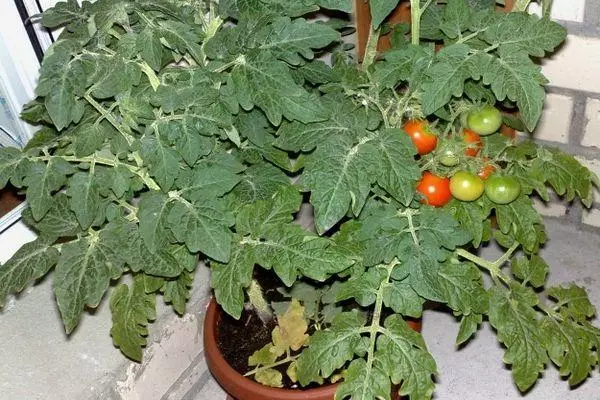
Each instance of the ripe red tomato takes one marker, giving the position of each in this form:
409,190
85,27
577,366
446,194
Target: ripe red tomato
473,141
466,186
421,136
486,171
435,189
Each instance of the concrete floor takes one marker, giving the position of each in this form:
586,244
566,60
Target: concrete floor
39,362
477,371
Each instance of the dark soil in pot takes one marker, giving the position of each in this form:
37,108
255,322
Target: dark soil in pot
239,339
229,343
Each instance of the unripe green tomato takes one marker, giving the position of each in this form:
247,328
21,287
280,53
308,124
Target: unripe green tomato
449,159
484,120
502,189
466,186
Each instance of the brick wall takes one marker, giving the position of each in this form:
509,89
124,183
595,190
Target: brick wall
571,118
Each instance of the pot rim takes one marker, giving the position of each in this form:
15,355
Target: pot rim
238,385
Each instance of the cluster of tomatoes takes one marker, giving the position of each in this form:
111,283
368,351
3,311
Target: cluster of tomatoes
463,184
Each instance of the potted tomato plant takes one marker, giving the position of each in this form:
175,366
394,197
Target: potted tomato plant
178,131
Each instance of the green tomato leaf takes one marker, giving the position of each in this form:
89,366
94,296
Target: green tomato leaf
346,119
420,240
453,65
516,77
10,158
317,72
567,176
526,32
153,211
471,217
182,37
572,302
402,298
260,182
150,48
456,20
520,220
167,261
202,226
575,358
257,218
398,172
290,249
162,160
338,176
61,78
229,280
364,381
404,357
191,143
401,65
462,285
84,270
132,308
177,291
331,348
341,5
42,180
85,197
32,261
512,315
209,178
380,9
363,288
89,137
58,221
469,324
63,13
287,39
531,270
264,81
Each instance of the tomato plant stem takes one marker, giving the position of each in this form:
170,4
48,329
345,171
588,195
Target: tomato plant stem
258,301
492,266
546,8
375,326
105,161
239,60
149,72
286,360
415,20
109,117
371,48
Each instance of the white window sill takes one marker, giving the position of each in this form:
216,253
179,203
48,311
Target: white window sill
13,237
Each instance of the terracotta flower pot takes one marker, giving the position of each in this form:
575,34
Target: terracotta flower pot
241,388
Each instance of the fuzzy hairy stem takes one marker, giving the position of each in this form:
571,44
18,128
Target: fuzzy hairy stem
492,266
258,301
286,360
375,327
142,174
371,48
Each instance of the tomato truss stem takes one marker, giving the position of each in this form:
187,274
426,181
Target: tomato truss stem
492,266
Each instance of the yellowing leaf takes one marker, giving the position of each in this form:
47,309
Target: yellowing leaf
269,377
291,329
291,372
263,356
